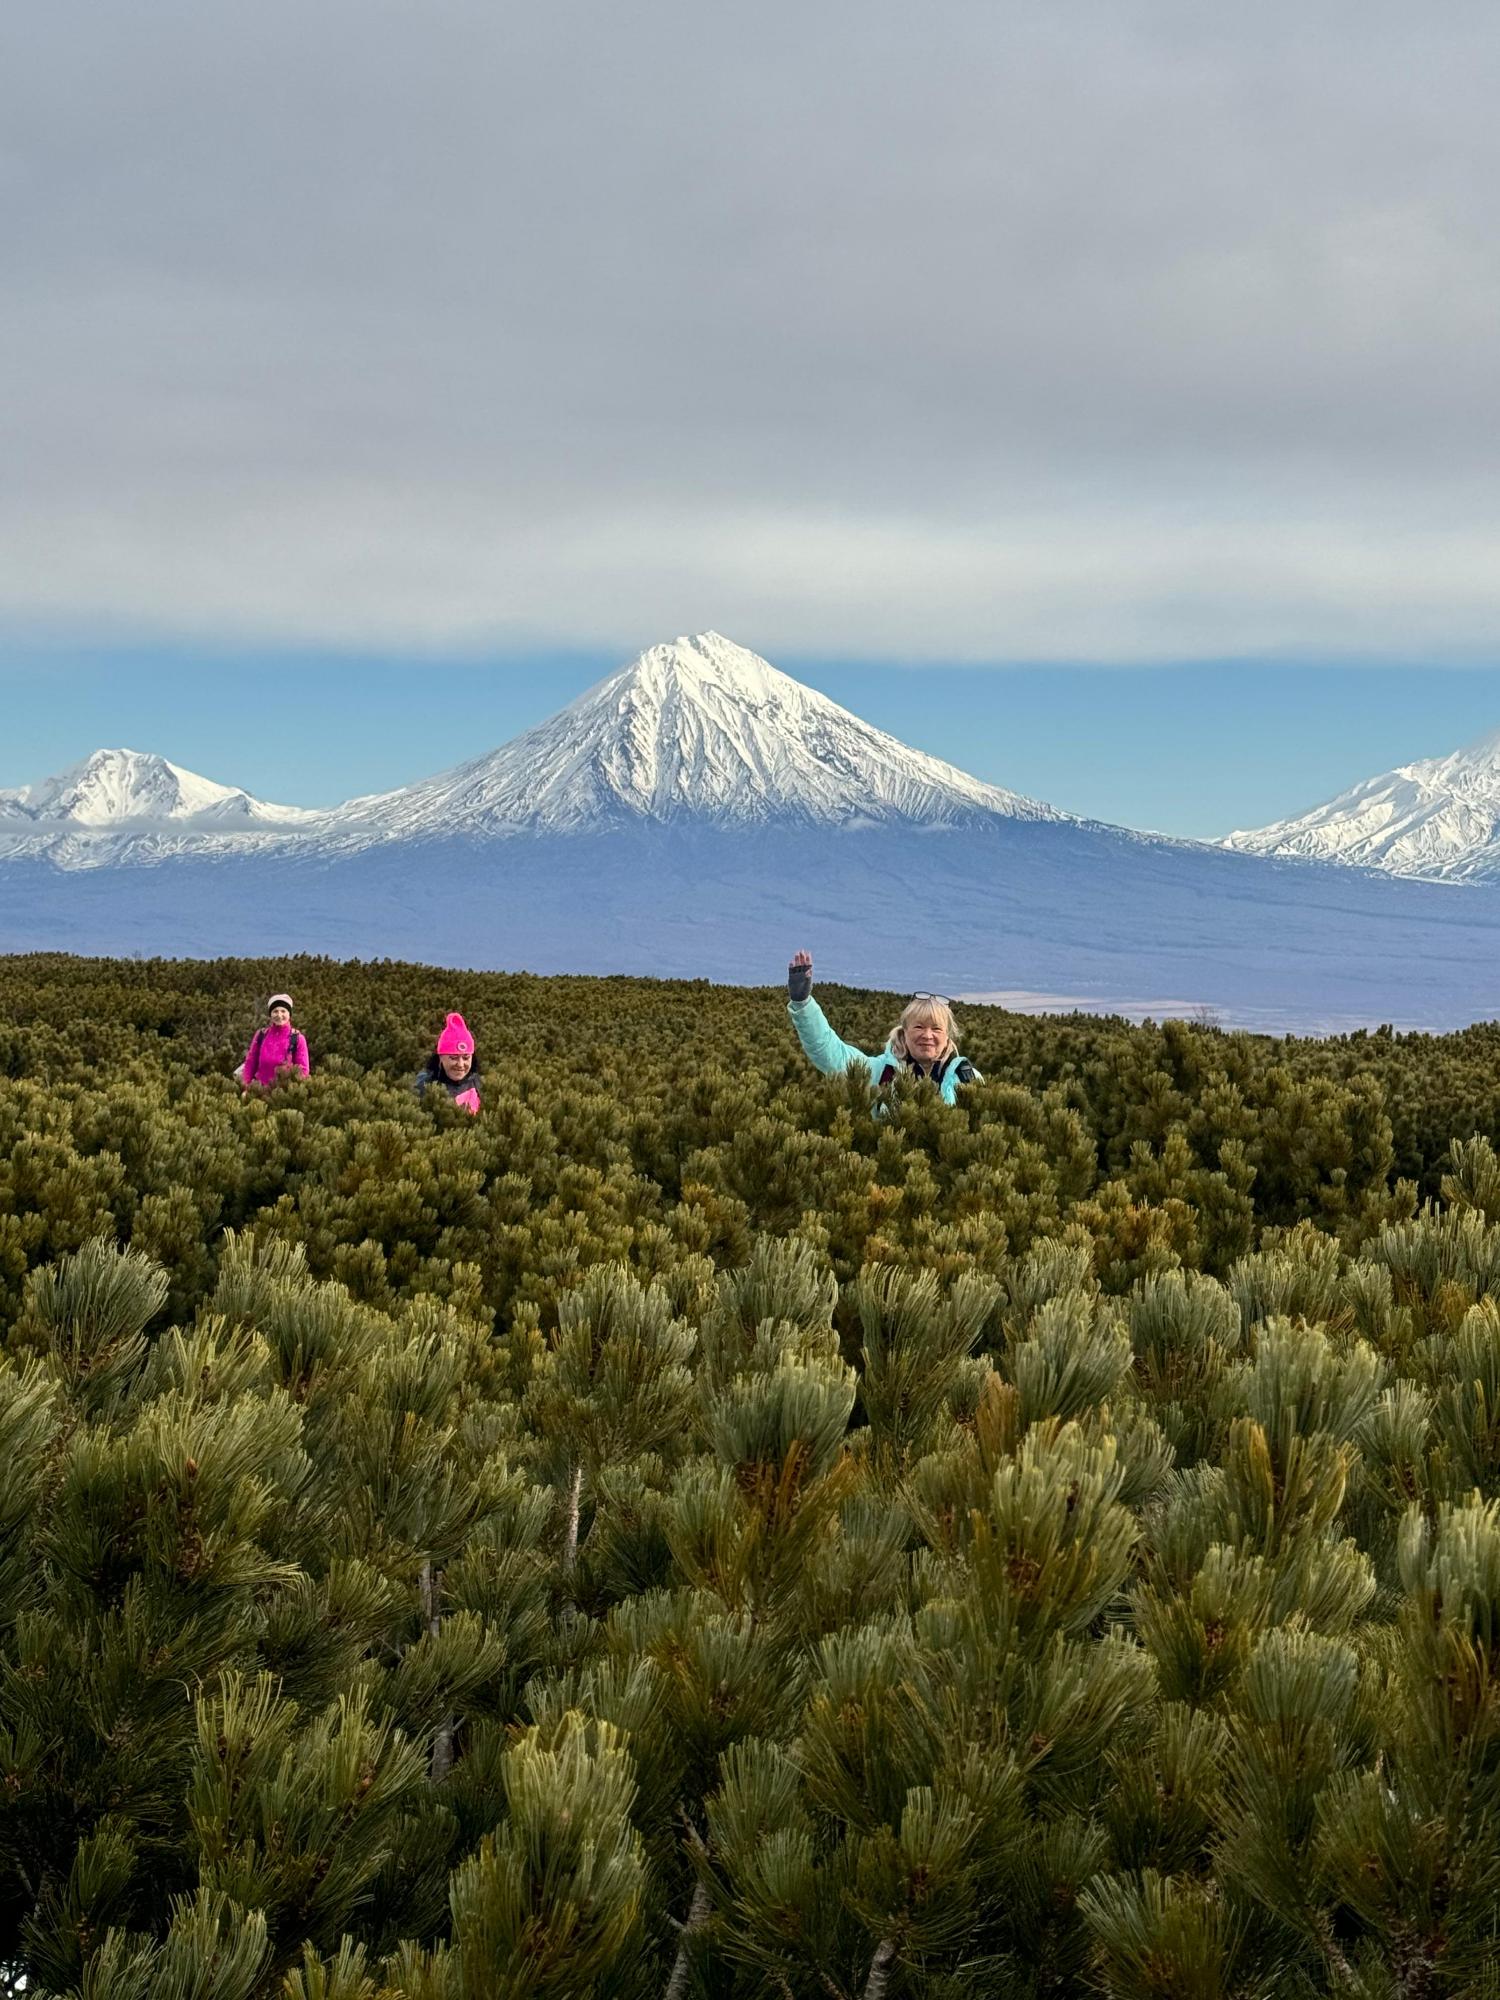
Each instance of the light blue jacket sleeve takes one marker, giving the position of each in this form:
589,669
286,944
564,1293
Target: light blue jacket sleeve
952,1083
822,1046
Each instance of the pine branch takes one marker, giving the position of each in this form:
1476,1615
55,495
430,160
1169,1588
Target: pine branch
880,1969
442,1745
570,1538
1411,1962
697,1917
1332,1951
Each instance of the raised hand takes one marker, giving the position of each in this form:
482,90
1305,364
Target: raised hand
799,975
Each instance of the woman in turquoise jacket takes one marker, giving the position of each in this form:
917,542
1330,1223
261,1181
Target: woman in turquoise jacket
924,1042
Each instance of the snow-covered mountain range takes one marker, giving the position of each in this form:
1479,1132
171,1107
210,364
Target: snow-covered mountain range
700,814
698,732
1437,820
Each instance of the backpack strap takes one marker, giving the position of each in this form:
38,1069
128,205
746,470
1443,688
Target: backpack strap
891,1070
252,1061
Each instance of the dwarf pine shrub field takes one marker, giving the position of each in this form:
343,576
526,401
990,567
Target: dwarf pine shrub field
680,1534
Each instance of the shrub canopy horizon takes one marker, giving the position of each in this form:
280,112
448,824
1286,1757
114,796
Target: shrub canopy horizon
677,1533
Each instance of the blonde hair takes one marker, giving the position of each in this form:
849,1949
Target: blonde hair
931,1013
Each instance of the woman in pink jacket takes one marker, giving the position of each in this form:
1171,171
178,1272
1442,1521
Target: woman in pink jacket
278,1052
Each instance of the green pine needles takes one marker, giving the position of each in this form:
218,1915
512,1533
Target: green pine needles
677,1535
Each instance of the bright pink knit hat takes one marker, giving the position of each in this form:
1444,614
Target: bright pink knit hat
455,1040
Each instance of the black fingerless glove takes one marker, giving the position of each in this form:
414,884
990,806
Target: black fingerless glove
799,981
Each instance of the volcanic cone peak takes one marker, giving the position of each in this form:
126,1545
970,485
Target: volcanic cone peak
698,729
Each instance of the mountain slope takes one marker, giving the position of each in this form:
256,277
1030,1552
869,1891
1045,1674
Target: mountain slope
697,730
1012,910
1437,820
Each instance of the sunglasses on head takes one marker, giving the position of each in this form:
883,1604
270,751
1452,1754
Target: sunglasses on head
941,998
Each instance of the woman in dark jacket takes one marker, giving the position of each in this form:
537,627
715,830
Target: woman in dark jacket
452,1066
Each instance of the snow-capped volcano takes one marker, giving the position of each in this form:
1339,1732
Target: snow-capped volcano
565,851
697,730
115,788
133,806
1438,820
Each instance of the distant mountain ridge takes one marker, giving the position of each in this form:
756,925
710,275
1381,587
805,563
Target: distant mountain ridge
1435,820
698,731
700,815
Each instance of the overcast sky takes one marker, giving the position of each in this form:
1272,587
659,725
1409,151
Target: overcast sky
970,332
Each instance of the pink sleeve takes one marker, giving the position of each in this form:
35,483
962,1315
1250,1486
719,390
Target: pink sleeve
302,1062
245,1075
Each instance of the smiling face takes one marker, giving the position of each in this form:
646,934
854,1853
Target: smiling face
925,1040
457,1067
926,1031
281,1017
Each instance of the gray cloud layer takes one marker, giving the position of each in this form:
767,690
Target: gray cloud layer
1097,330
